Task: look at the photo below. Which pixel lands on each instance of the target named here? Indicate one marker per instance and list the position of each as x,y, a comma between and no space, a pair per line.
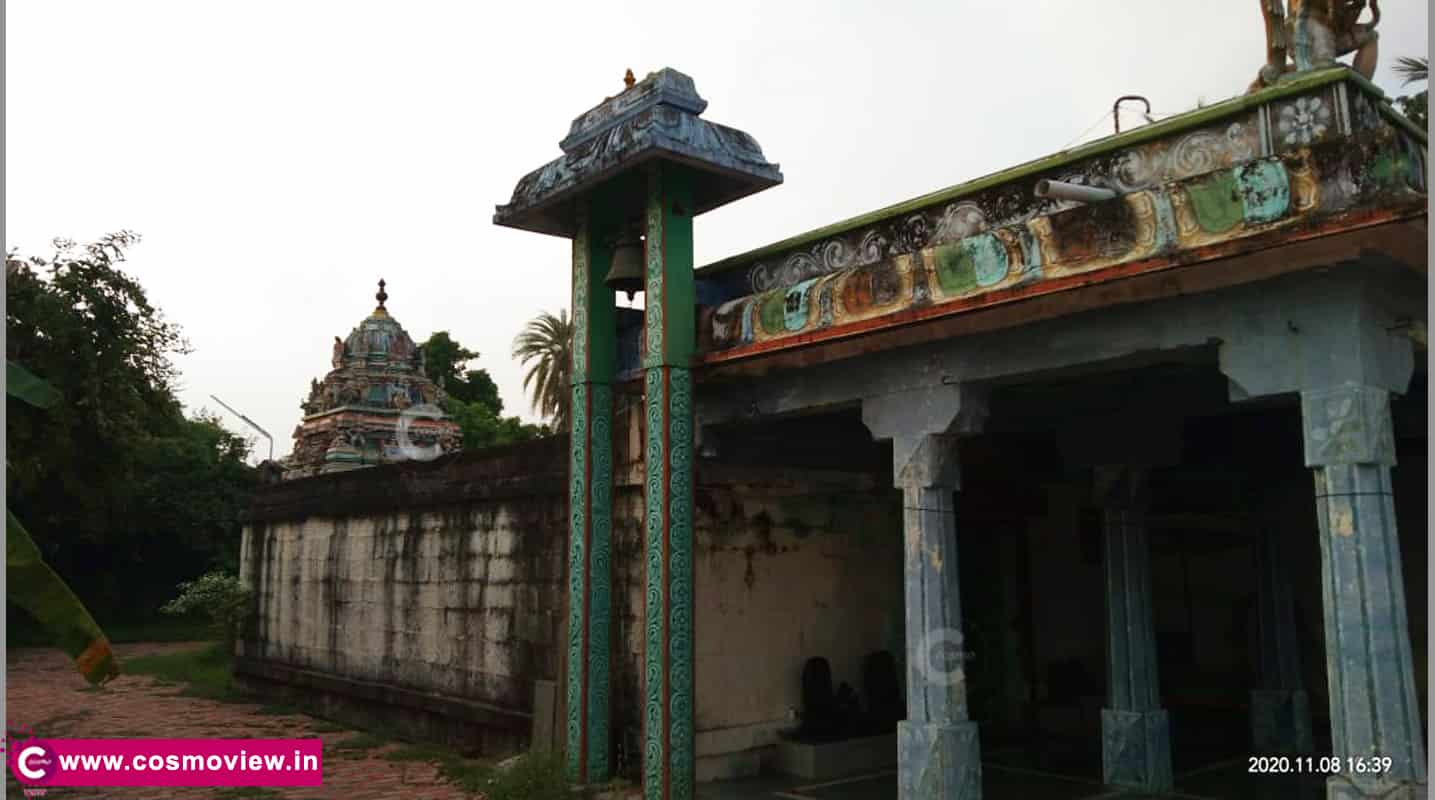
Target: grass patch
325,726
24,632
207,671
278,710
536,776
417,752
472,774
356,746
190,628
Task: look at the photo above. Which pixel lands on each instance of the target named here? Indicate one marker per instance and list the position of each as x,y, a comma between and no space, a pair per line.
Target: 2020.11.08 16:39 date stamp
1318,765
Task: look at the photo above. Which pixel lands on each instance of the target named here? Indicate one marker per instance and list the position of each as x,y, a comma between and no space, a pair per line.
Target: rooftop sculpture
1312,34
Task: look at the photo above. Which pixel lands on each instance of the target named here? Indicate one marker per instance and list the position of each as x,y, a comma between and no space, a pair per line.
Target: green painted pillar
590,580
640,157
668,756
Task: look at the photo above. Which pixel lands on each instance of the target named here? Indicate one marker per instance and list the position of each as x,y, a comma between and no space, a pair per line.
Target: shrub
535,776
219,595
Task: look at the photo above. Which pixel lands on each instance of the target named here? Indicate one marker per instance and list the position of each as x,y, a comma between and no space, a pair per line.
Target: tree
133,496
545,347
473,400
1416,106
481,427
445,363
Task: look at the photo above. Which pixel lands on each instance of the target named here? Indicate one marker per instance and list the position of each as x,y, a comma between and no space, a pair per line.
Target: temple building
1100,475
376,405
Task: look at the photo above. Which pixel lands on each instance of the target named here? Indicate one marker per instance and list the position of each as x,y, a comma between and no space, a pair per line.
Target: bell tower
635,170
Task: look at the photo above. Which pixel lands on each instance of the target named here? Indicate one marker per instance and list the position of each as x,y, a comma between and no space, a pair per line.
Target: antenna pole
250,423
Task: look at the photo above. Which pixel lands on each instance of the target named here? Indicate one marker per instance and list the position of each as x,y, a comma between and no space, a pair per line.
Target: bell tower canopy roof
655,119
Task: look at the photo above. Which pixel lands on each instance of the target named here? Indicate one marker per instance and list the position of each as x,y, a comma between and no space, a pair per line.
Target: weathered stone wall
434,595
440,583
789,565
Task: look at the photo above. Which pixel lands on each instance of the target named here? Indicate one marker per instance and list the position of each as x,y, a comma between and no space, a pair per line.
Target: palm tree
1413,70
545,346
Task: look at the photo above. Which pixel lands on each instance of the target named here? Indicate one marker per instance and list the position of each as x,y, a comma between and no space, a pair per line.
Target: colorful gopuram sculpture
1312,34
375,406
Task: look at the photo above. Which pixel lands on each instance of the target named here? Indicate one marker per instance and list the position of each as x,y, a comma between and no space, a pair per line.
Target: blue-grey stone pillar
1135,732
1374,716
938,745
939,753
1280,708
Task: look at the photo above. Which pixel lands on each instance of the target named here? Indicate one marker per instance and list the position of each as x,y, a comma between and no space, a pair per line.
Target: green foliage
444,358
1413,70
545,346
446,362
219,596
473,400
535,776
207,671
33,585
482,428
131,496
21,383
1415,107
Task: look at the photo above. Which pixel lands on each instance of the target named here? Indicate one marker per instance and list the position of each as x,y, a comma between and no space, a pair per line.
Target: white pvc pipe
1060,190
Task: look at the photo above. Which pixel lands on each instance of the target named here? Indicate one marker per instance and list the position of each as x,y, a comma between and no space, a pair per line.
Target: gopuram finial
382,295
628,79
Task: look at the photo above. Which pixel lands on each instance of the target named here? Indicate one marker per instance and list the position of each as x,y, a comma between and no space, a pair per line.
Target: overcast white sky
279,158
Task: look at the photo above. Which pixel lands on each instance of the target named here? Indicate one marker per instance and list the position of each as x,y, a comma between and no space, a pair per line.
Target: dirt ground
47,696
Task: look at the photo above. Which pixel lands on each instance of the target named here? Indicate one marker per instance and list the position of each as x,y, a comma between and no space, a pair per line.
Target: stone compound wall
431,597
431,593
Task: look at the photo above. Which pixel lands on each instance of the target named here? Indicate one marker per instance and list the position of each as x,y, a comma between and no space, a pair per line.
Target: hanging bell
626,273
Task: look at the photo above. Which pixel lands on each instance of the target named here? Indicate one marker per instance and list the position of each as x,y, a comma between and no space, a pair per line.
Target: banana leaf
33,586
21,383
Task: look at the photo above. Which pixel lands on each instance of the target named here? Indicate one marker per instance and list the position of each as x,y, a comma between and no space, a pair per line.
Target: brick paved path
46,694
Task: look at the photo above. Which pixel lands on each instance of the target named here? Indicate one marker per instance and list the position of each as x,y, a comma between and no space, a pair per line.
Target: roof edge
1229,107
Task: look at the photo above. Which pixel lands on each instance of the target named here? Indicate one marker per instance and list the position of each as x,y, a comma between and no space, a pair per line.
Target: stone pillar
939,752
1374,715
1280,708
669,765
1135,732
590,504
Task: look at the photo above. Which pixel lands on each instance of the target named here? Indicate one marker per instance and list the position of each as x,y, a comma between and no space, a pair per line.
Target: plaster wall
463,603
781,574
467,601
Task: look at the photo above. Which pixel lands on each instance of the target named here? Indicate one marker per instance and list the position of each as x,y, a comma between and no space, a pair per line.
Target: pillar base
1280,722
1136,749
1368,787
939,761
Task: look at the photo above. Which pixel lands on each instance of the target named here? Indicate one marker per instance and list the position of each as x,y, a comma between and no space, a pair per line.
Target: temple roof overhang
1317,156
654,120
